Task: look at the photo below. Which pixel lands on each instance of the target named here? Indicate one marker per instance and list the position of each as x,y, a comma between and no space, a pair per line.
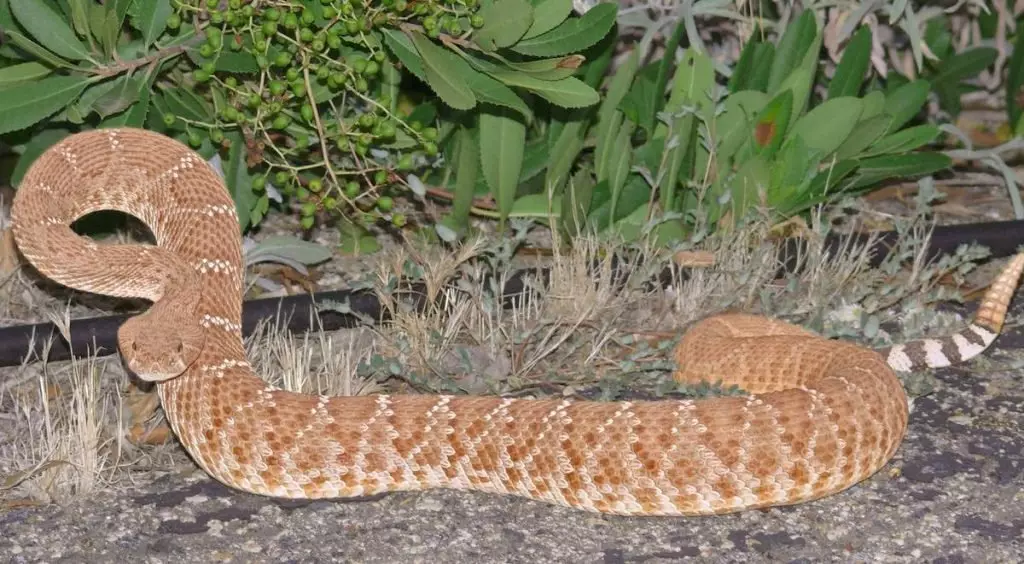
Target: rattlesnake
822,415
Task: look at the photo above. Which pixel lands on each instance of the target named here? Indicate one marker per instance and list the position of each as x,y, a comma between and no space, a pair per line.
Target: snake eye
135,346
181,347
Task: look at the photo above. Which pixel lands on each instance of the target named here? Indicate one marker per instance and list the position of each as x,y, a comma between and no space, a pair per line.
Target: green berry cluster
310,85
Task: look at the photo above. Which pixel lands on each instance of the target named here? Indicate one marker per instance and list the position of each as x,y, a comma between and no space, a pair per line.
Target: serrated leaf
505,22
569,92
547,15
555,68
135,116
185,103
572,35
22,72
502,143
49,27
150,18
401,46
490,91
124,93
36,50
444,73
28,103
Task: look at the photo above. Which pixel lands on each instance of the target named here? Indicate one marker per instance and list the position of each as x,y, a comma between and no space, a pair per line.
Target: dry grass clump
68,429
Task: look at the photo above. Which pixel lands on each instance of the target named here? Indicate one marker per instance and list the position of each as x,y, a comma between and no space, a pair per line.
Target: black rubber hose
98,335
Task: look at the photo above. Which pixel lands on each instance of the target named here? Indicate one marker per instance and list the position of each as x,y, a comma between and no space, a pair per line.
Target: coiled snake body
822,415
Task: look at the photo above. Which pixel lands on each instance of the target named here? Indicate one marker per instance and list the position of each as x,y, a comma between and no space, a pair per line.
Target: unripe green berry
380,177
398,220
385,204
352,189
194,139
277,87
307,112
169,119
282,121
174,22
306,222
281,177
315,185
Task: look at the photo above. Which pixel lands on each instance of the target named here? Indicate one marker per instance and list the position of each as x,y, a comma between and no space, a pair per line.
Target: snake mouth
150,374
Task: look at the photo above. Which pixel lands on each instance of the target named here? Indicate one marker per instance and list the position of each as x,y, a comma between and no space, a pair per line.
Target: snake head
156,355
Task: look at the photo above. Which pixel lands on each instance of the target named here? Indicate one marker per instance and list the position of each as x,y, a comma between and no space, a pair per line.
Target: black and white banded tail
968,342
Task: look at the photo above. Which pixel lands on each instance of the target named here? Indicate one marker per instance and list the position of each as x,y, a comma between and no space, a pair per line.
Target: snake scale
821,415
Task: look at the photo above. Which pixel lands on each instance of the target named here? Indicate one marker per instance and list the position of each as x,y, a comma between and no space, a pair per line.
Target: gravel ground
952,494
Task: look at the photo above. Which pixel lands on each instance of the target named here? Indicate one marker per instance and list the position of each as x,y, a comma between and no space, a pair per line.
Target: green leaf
94,92
575,204
123,94
34,49
22,72
445,73
825,127
736,124
564,152
150,18
505,22
1015,80
28,103
609,117
490,91
33,149
186,103
965,65
135,116
573,35
877,169
548,14
904,141
238,179
401,46
288,247
80,16
799,37
854,63
569,92
606,211
867,132
555,68
49,27
467,162
905,102
536,206
502,143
